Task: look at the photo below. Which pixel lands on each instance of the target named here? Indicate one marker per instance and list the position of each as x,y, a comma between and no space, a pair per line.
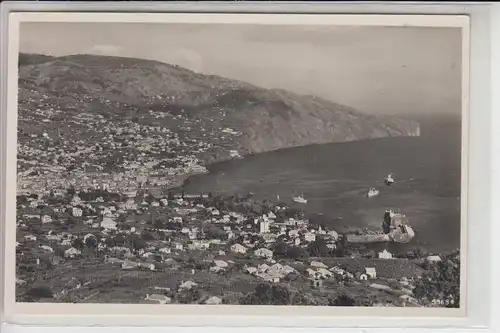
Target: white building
72,252
77,212
160,299
264,253
214,300
434,258
108,223
309,237
46,219
264,226
318,264
238,248
385,255
371,272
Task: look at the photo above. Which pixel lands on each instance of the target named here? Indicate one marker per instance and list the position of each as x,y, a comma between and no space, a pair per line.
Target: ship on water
372,192
300,199
389,180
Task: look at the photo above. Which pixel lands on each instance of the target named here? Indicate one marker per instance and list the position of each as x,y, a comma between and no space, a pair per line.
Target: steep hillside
223,113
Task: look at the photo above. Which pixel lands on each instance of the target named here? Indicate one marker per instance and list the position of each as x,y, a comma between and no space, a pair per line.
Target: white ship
389,180
372,192
300,199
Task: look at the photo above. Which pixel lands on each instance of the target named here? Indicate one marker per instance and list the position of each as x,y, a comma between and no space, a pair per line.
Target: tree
146,236
188,296
212,232
280,248
341,248
268,294
295,252
441,285
318,248
78,244
343,300
40,292
71,191
58,251
135,242
91,242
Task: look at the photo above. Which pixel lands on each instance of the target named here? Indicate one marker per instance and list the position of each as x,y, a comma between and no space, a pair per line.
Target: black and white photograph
240,164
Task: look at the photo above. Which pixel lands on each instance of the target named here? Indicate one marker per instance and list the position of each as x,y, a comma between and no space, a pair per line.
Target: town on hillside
102,218
93,245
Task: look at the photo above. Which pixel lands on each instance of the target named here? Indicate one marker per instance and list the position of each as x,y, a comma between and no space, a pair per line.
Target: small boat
389,180
372,192
300,199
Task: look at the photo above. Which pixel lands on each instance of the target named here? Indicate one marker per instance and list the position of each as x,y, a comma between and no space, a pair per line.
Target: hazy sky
388,70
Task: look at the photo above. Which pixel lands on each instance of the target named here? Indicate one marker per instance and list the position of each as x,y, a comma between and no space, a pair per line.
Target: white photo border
479,137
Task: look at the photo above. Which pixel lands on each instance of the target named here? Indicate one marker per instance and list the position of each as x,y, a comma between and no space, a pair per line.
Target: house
178,246
318,264
331,246
66,242
238,248
293,233
287,270
251,270
263,253
434,258
129,205
76,212
87,236
264,226
72,253
275,269
46,219
312,273
188,285
214,300
47,248
371,272
333,234
385,255
147,265
263,268
337,270
269,238
296,241
177,219
221,263
269,277
165,250
161,299
324,272
108,223
316,283
309,237
76,200
30,238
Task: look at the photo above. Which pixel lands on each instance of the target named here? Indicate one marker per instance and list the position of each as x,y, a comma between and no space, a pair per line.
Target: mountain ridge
266,119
